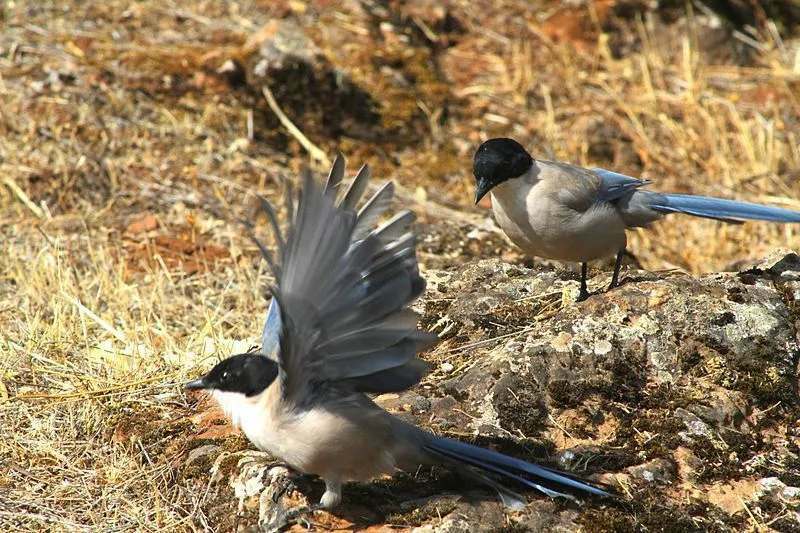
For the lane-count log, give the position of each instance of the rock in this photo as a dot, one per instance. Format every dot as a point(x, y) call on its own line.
point(774, 487)
point(694, 426)
point(251, 479)
point(442, 406)
point(732, 497)
point(659, 471)
point(408, 402)
point(201, 455)
point(679, 391)
point(280, 43)
point(318, 97)
point(687, 463)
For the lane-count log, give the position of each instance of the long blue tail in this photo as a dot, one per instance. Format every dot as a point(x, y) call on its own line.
point(546, 480)
point(719, 209)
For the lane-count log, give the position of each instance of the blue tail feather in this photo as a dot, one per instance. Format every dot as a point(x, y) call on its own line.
point(720, 209)
point(550, 482)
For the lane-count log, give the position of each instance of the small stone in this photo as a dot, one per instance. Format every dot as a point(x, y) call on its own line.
point(251, 479)
point(655, 471)
point(772, 486)
point(201, 454)
point(602, 347)
point(143, 223)
point(440, 406)
point(694, 425)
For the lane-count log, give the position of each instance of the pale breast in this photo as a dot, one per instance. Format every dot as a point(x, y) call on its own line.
point(337, 447)
point(547, 220)
point(334, 441)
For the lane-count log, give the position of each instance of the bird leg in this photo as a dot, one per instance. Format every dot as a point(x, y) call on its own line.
point(617, 267)
point(330, 499)
point(332, 496)
point(584, 292)
point(303, 515)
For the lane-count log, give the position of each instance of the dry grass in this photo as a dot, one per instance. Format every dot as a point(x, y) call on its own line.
point(112, 112)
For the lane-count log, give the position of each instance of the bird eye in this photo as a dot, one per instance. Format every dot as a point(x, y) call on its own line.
point(226, 375)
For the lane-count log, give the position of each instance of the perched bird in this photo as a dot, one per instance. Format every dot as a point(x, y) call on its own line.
point(343, 293)
point(569, 213)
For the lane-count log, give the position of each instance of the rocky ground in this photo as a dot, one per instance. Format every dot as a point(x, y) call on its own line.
point(680, 392)
point(134, 136)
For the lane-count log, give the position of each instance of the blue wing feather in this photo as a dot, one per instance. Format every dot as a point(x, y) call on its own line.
point(616, 185)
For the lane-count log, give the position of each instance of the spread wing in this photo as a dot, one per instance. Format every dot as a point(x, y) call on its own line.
point(344, 302)
point(366, 219)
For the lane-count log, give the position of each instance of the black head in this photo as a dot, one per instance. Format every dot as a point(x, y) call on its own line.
point(247, 373)
point(496, 161)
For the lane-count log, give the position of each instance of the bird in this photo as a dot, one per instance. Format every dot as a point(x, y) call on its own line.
point(346, 331)
point(569, 213)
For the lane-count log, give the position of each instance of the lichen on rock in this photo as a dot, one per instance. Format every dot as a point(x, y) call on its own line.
point(675, 390)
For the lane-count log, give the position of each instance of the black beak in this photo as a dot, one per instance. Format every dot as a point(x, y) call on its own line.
point(197, 384)
point(483, 186)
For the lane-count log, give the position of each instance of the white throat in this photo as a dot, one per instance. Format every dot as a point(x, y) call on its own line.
point(270, 428)
point(514, 189)
point(245, 412)
point(510, 202)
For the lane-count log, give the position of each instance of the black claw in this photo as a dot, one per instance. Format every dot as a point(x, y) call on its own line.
point(300, 515)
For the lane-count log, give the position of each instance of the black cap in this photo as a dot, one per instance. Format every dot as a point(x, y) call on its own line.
point(496, 161)
point(246, 373)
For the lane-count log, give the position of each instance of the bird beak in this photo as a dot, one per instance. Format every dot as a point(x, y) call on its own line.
point(484, 185)
point(197, 384)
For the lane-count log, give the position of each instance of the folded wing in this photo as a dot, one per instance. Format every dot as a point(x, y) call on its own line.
point(614, 185)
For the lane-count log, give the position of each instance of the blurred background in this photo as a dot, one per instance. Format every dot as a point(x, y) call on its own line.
point(139, 104)
point(133, 134)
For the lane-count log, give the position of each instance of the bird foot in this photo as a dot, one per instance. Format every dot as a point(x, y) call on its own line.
point(302, 515)
point(583, 295)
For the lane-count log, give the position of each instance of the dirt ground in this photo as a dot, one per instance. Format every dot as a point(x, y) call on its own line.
point(134, 136)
